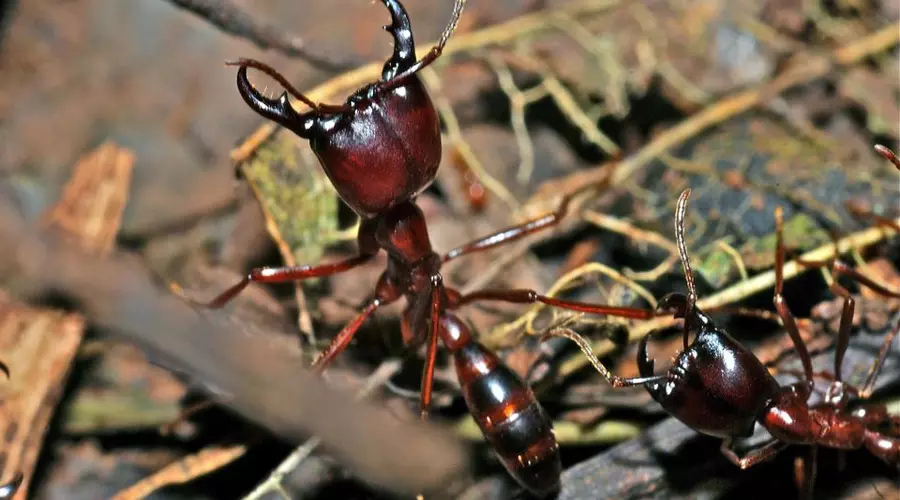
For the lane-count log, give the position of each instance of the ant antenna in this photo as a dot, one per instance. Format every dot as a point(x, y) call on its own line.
point(888, 154)
point(613, 380)
point(680, 209)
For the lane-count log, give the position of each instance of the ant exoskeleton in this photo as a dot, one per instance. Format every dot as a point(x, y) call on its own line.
point(380, 150)
point(719, 388)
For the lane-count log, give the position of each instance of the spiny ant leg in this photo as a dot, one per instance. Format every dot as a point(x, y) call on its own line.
point(512, 233)
point(755, 456)
point(343, 338)
point(613, 380)
point(525, 296)
point(790, 324)
point(431, 356)
point(281, 275)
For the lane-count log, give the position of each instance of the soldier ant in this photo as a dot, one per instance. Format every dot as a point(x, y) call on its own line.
point(381, 149)
point(719, 388)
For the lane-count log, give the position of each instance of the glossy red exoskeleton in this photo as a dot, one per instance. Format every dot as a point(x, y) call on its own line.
point(720, 388)
point(382, 148)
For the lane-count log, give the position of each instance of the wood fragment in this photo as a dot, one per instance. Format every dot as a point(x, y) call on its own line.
point(183, 471)
point(93, 201)
point(37, 344)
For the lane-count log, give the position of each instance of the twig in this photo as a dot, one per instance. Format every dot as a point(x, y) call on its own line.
point(232, 20)
point(637, 234)
point(252, 371)
point(272, 483)
point(183, 471)
point(809, 68)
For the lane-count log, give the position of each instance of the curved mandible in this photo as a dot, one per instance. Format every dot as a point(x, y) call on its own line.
point(646, 366)
point(278, 110)
point(404, 55)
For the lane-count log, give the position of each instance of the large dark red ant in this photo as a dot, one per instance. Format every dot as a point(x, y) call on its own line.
point(380, 149)
point(719, 388)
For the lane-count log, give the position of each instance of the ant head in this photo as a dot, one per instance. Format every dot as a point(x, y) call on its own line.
point(716, 386)
point(382, 146)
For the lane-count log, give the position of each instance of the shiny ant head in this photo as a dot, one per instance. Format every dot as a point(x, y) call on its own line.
point(715, 386)
point(383, 145)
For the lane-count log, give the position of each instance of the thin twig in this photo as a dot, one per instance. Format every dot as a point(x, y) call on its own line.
point(251, 369)
point(232, 20)
point(808, 68)
point(385, 371)
point(185, 470)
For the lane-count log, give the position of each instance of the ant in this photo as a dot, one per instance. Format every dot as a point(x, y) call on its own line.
point(718, 387)
point(381, 149)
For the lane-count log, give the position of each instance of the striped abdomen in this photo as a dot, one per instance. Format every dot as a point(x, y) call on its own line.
point(512, 421)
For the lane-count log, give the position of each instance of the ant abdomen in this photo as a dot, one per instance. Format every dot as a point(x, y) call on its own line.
point(715, 386)
point(512, 421)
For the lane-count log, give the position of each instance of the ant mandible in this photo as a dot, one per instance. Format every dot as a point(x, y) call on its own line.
point(381, 149)
point(718, 387)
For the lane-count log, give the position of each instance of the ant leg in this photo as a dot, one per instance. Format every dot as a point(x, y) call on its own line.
point(781, 306)
point(525, 296)
point(343, 338)
point(761, 454)
point(431, 356)
point(512, 233)
point(282, 275)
